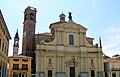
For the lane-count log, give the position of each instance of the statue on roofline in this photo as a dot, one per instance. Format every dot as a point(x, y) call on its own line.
point(70, 16)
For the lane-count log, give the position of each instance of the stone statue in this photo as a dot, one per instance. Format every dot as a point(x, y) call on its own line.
point(70, 17)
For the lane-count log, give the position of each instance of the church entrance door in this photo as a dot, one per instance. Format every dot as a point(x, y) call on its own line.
point(72, 71)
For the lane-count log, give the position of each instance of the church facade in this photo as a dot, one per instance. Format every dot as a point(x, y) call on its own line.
point(64, 52)
point(67, 52)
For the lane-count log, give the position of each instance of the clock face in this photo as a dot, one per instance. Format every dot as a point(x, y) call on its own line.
point(31, 27)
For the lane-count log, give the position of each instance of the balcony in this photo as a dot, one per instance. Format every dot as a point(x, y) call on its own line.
point(115, 69)
point(20, 68)
point(24, 68)
point(16, 69)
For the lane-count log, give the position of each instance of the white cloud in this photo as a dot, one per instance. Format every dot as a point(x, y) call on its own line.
point(112, 41)
point(111, 53)
point(113, 30)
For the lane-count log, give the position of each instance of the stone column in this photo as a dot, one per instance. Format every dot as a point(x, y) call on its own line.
point(62, 72)
point(42, 74)
point(58, 65)
point(63, 67)
point(5, 72)
point(86, 64)
point(62, 37)
point(81, 64)
point(42, 62)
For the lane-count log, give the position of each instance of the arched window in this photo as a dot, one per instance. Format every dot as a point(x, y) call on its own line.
point(32, 16)
point(71, 40)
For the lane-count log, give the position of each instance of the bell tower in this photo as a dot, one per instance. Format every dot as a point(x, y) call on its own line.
point(29, 24)
point(16, 44)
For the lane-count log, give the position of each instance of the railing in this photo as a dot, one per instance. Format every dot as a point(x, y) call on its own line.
point(20, 68)
point(16, 69)
point(24, 68)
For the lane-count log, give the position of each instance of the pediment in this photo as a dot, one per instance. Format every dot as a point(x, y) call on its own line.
point(70, 25)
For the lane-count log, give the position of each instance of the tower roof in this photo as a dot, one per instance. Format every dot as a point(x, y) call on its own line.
point(62, 17)
point(16, 35)
point(31, 8)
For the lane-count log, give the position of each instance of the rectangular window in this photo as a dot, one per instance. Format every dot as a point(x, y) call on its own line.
point(15, 66)
point(3, 47)
point(71, 40)
point(24, 66)
point(5, 50)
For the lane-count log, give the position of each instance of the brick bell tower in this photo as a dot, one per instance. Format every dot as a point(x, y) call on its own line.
point(28, 43)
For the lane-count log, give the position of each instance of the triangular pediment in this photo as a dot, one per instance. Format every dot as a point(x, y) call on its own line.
point(70, 25)
point(77, 25)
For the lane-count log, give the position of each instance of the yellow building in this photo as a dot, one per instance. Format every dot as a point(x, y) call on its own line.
point(4, 46)
point(112, 67)
point(19, 66)
point(67, 51)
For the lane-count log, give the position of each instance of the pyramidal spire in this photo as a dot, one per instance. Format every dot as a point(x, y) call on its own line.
point(100, 42)
point(16, 35)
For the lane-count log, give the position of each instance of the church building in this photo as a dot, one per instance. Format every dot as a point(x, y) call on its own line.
point(64, 52)
point(67, 52)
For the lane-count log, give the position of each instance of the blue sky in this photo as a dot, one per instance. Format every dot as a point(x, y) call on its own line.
point(100, 17)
